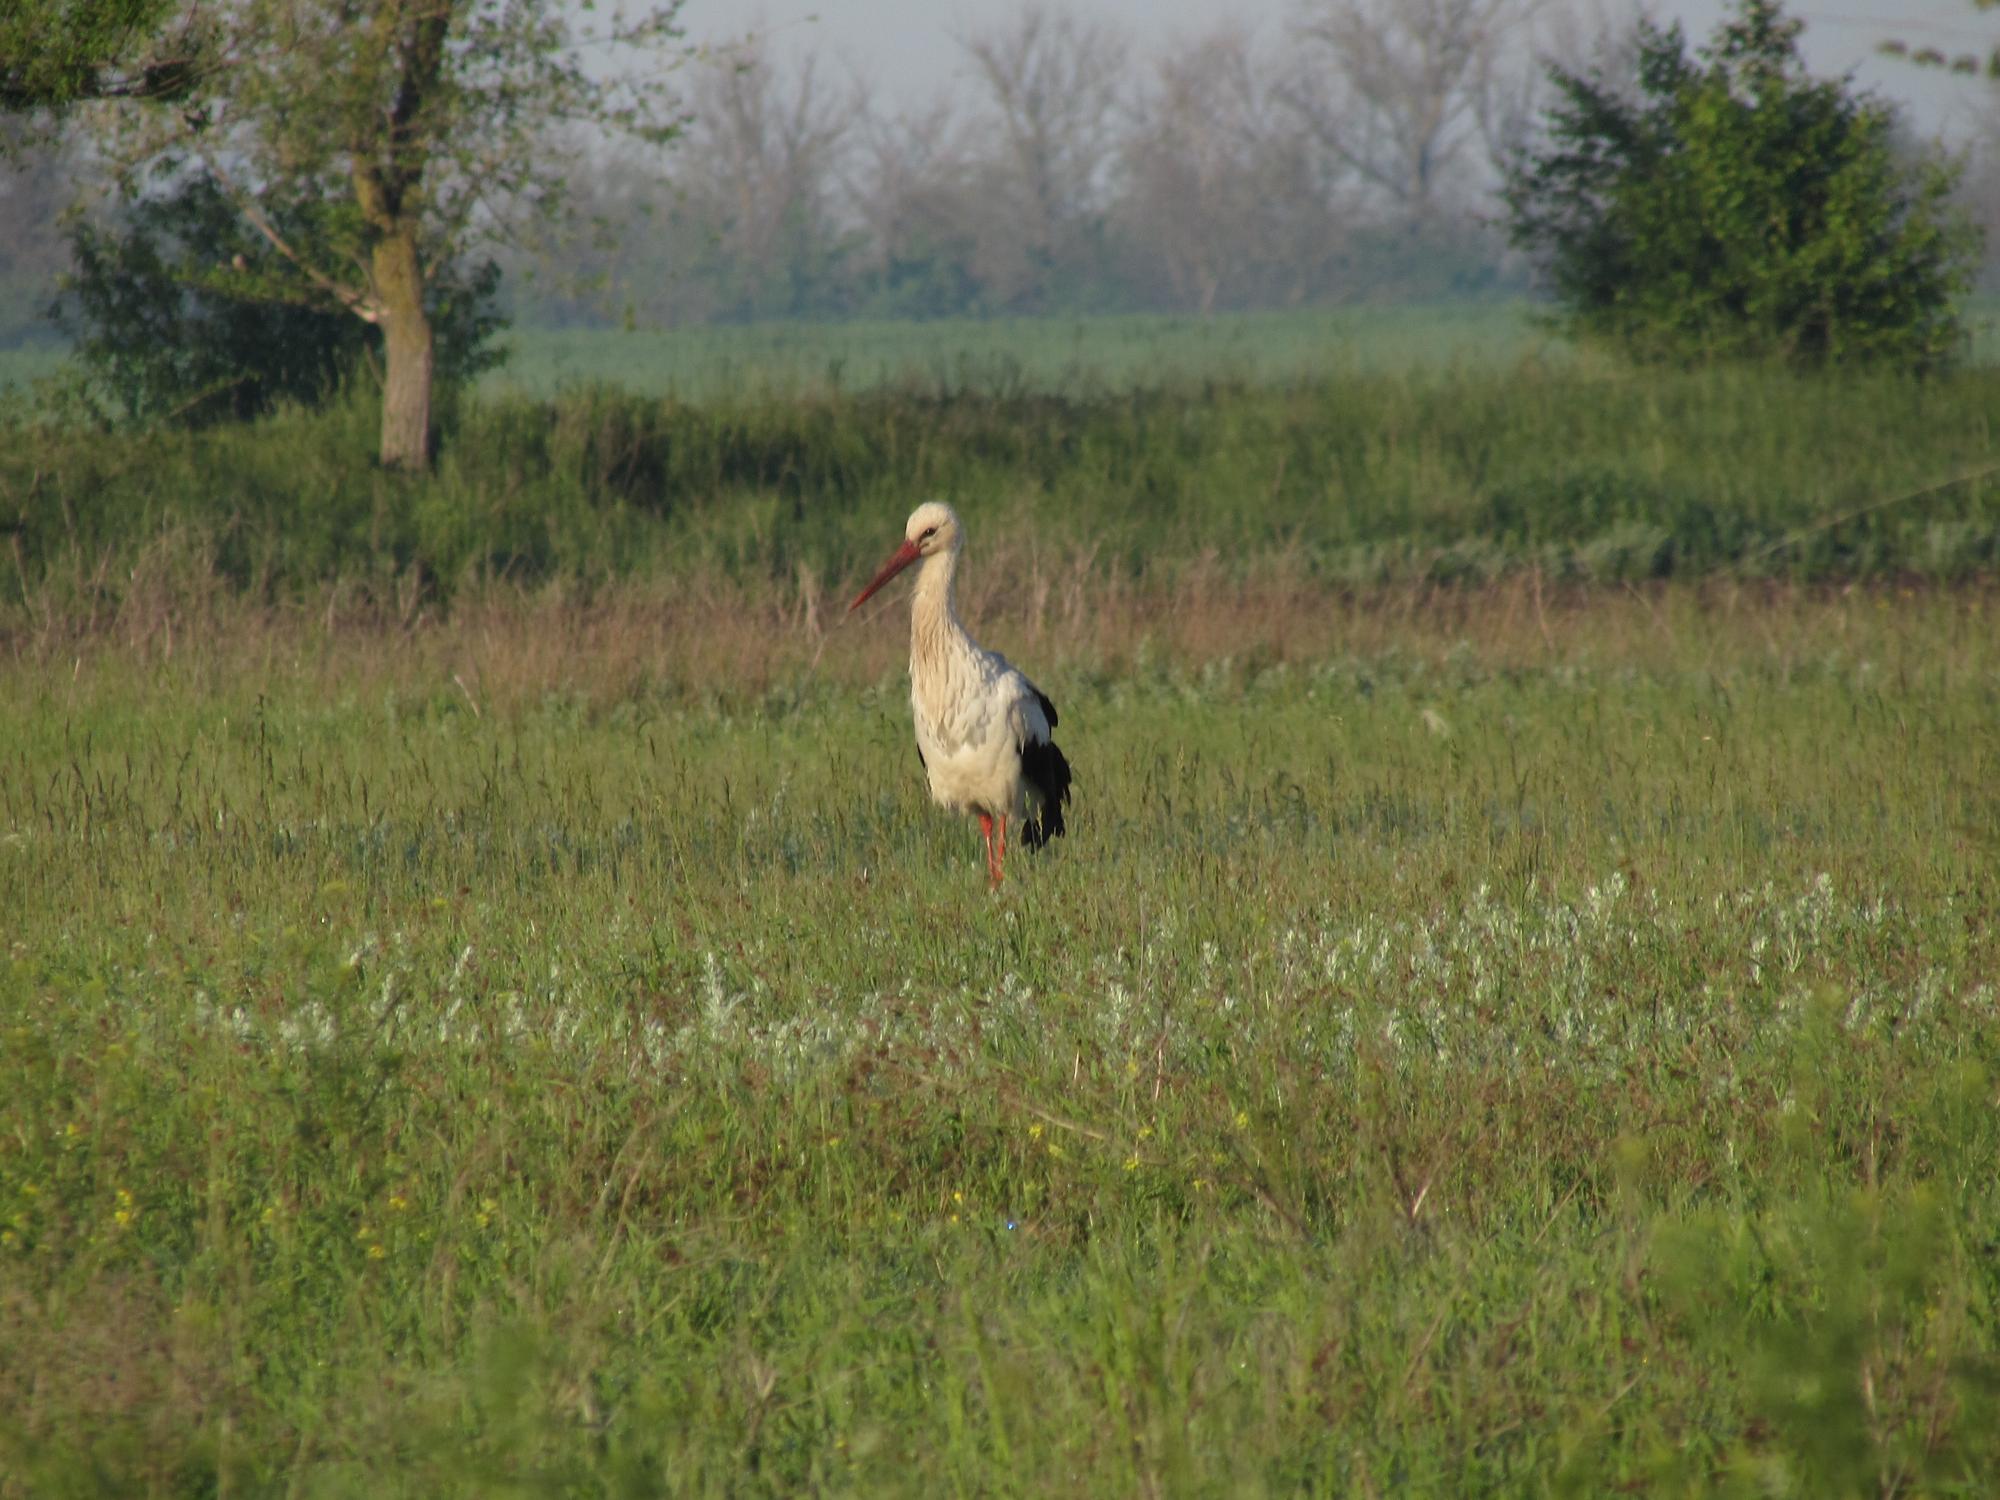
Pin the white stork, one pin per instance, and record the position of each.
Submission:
(982, 728)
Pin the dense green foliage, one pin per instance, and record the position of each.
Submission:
(1492, 1069)
(55, 53)
(186, 312)
(1734, 206)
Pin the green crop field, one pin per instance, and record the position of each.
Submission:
(487, 1008)
(1074, 355)
(1068, 355)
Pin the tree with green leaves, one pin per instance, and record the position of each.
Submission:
(1728, 204)
(56, 53)
(420, 130)
(168, 306)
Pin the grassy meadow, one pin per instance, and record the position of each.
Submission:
(489, 1010)
(1053, 354)
(1043, 355)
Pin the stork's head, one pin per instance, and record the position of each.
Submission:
(933, 528)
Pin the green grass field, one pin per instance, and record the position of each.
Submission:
(487, 1008)
(22, 366)
(1534, 1049)
(1066, 355)
(1062, 355)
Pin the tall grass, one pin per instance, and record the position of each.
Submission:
(1364, 480)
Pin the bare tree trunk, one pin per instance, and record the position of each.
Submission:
(411, 355)
(388, 155)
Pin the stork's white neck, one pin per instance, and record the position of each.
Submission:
(935, 632)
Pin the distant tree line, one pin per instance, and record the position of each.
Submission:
(291, 190)
(285, 193)
(1351, 154)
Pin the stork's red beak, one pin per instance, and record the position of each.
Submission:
(905, 555)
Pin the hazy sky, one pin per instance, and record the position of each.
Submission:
(906, 46)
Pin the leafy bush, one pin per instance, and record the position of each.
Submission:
(188, 314)
(1733, 206)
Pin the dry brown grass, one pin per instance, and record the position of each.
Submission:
(501, 645)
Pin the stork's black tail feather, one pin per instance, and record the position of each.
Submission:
(1048, 773)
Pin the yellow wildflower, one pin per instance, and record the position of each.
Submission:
(376, 1252)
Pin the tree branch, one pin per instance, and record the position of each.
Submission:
(362, 304)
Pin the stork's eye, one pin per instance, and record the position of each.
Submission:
(927, 533)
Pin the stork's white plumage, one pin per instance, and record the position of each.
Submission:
(983, 729)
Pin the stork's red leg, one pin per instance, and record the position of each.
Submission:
(986, 827)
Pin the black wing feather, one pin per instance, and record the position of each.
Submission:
(1045, 769)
